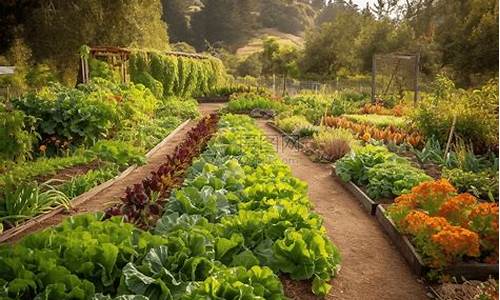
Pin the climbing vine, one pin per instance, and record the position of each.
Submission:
(171, 75)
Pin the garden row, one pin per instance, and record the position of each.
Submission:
(238, 221)
(393, 162)
(60, 142)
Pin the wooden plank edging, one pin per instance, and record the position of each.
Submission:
(368, 204)
(79, 200)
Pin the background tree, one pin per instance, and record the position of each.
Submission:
(279, 59)
(175, 14)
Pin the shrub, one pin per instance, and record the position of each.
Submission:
(476, 113)
(246, 102)
(355, 167)
(293, 123)
(483, 185)
(393, 178)
(16, 136)
(311, 106)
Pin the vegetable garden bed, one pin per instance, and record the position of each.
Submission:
(469, 271)
(79, 200)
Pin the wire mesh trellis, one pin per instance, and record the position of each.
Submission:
(394, 74)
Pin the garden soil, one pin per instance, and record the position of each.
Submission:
(105, 198)
(372, 268)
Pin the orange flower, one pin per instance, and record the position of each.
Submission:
(457, 241)
(417, 222)
(441, 186)
(457, 209)
(406, 200)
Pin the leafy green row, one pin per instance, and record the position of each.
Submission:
(383, 173)
(257, 212)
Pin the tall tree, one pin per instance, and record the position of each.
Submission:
(175, 14)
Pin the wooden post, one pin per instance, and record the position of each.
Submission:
(417, 70)
(452, 131)
(374, 71)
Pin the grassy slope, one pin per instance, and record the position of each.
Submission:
(255, 43)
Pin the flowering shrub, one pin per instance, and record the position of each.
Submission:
(445, 226)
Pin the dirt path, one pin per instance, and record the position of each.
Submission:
(114, 192)
(372, 267)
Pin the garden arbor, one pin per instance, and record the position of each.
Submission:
(394, 74)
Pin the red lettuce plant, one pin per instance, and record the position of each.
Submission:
(143, 202)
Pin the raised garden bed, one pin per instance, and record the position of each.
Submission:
(368, 204)
(468, 271)
(26, 225)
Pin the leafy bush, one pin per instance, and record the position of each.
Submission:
(483, 185)
(393, 178)
(101, 69)
(68, 115)
(384, 174)
(312, 107)
(355, 167)
(184, 108)
(119, 153)
(16, 135)
(293, 124)
(476, 113)
(246, 102)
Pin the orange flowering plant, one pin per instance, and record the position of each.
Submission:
(445, 226)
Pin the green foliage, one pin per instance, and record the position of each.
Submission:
(72, 261)
(59, 29)
(476, 113)
(83, 183)
(170, 75)
(100, 69)
(355, 167)
(293, 124)
(483, 185)
(246, 102)
(16, 136)
(29, 170)
(255, 283)
(312, 106)
(393, 178)
(379, 120)
(384, 174)
(184, 108)
(69, 114)
(120, 153)
(19, 202)
(252, 202)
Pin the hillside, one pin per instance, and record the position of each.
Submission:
(255, 44)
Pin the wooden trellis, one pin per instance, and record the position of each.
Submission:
(118, 57)
(403, 68)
